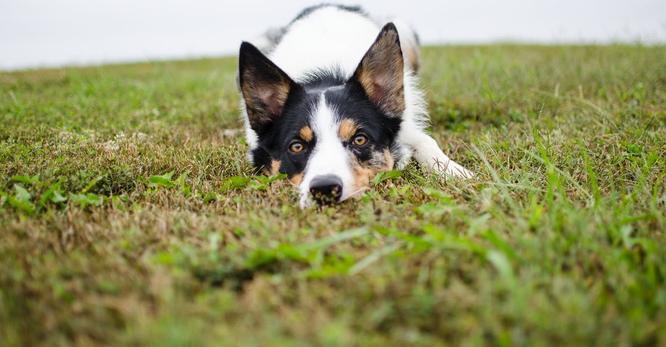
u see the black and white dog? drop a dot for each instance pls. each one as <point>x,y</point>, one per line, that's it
<point>330,103</point>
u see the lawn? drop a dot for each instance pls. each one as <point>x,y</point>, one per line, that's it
<point>129,216</point>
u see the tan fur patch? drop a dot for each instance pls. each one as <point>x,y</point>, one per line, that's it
<point>296,179</point>
<point>347,129</point>
<point>275,167</point>
<point>364,172</point>
<point>368,82</point>
<point>362,176</point>
<point>306,133</point>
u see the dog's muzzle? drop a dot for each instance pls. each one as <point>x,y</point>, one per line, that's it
<point>326,189</point>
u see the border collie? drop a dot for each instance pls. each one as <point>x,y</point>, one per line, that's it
<point>330,102</point>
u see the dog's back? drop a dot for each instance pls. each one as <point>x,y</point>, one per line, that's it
<point>330,37</point>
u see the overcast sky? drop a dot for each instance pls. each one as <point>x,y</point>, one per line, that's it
<point>63,32</point>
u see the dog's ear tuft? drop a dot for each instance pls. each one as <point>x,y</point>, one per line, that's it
<point>265,87</point>
<point>381,72</point>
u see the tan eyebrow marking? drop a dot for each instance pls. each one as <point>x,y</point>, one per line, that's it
<point>347,129</point>
<point>306,133</point>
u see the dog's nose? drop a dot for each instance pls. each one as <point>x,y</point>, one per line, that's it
<point>326,189</point>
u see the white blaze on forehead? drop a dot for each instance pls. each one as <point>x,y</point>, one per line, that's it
<point>329,156</point>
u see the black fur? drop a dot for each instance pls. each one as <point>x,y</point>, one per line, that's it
<point>352,102</point>
<point>276,138</point>
<point>322,79</point>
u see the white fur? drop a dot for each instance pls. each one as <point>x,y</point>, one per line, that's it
<point>335,38</point>
<point>329,37</point>
<point>329,156</point>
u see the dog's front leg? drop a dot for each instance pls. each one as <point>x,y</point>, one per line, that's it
<point>427,153</point>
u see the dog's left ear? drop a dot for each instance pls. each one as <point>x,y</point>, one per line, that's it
<point>265,87</point>
<point>381,72</point>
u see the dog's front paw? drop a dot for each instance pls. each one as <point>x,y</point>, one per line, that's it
<point>452,169</point>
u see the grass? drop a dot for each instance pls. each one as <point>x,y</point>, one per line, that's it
<point>128,215</point>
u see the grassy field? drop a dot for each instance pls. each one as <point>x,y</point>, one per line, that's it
<point>128,215</point>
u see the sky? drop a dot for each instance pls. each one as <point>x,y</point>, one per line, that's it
<point>39,33</point>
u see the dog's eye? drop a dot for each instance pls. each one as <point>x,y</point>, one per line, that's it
<point>296,147</point>
<point>360,140</point>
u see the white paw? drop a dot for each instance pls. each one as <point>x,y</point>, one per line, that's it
<point>452,169</point>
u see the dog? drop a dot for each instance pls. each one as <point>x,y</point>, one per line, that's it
<point>331,99</point>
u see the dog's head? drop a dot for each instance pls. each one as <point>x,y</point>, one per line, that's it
<point>330,134</point>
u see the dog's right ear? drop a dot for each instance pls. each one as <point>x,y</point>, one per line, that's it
<point>265,87</point>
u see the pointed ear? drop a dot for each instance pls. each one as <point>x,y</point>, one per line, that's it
<point>265,87</point>
<point>381,72</point>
